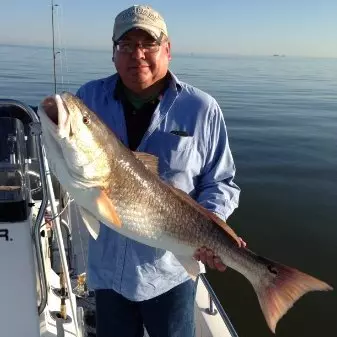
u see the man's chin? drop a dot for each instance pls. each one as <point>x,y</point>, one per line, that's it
<point>139,83</point>
<point>140,78</point>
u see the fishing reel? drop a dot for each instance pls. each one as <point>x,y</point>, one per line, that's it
<point>81,289</point>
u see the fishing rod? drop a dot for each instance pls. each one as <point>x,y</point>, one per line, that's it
<point>65,283</point>
<point>53,39</point>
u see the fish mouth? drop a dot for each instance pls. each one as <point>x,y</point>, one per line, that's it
<point>51,107</point>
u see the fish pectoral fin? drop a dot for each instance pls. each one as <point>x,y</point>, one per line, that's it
<point>150,161</point>
<point>207,213</point>
<point>107,209</point>
<point>191,265</point>
<point>90,222</point>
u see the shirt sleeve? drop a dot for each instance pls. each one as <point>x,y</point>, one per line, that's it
<point>216,190</point>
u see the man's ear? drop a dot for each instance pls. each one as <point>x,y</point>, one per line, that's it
<point>113,54</point>
<point>168,46</point>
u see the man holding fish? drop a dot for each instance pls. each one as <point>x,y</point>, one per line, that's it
<point>152,111</point>
<point>147,155</point>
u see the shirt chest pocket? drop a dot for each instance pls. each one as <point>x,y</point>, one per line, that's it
<point>175,152</point>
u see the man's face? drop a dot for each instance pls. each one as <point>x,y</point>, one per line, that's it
<point>147,62</point>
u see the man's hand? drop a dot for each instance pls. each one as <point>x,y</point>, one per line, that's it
<point>207,257</point>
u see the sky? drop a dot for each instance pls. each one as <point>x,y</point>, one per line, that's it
<point>244,27</point>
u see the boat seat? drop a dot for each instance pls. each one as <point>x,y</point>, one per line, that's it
<point>14,111</point>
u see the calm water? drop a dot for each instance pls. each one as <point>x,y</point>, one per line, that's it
<point>281,115</point>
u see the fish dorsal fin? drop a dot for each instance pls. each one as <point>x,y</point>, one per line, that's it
<point>206,213</point>
<point>224,226</point>
<point>150,161</point>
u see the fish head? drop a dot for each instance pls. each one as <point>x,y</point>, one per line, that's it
<point>77,137</point>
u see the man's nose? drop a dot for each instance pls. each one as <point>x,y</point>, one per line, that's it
<point>138,52</point>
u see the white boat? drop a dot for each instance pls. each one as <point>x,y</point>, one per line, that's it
<point>35,298</point>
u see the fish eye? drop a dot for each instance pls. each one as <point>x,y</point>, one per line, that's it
<point>86,120</point>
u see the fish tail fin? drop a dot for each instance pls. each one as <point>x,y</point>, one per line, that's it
<point>285,286</point>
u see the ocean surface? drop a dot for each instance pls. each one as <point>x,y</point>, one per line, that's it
<point>281,115</point>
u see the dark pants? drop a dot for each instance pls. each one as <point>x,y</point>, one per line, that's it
<point>168,315</point>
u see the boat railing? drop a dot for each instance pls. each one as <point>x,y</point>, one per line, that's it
<point>215,305</point>
<point>34,129</point>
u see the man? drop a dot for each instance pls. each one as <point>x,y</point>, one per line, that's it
<point>150,110</point>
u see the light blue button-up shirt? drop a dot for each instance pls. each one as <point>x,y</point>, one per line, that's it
<point>200,163</point>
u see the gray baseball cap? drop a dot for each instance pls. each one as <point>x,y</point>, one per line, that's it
<point>141,17</point>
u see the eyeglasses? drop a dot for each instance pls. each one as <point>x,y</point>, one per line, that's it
<point>127,47</point>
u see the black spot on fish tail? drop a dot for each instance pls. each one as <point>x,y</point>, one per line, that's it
<point>272,269</point>
<point>268,263</point>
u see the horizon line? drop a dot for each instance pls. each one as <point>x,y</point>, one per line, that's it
<point>178,53</point>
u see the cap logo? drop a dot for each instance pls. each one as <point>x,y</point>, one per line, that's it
<point>140,11</point>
